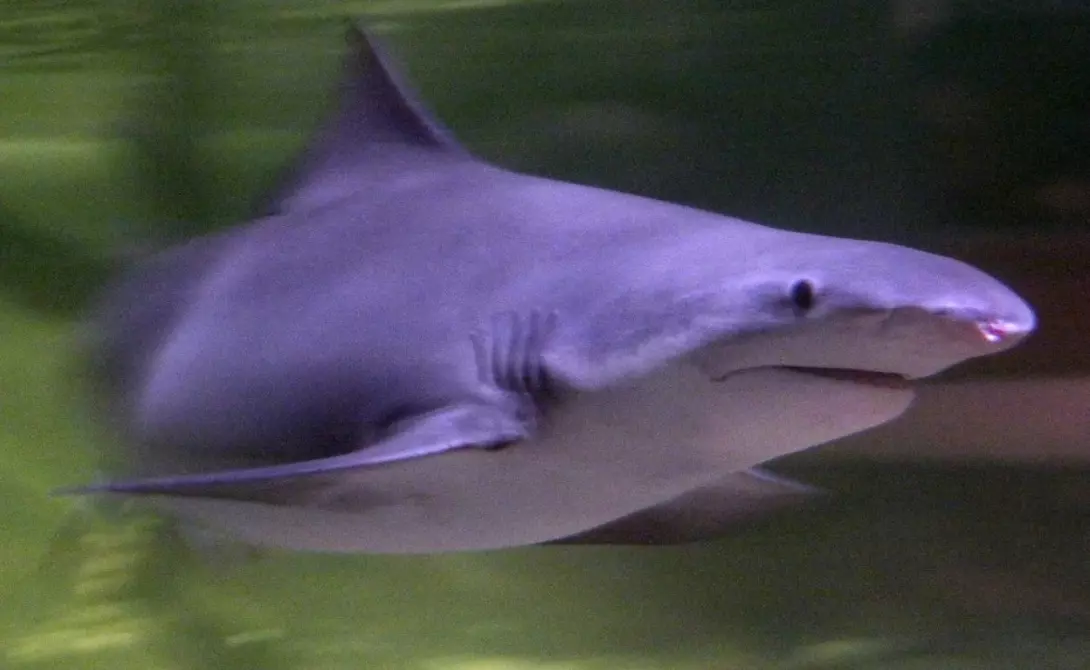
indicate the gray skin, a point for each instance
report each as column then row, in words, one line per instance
column 415, row 351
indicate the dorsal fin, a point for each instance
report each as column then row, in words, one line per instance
column 378, row 115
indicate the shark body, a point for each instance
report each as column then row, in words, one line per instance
column 413, row 350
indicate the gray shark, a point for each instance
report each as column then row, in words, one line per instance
column 412, row 350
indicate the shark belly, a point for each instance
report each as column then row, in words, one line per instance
column 598, row 457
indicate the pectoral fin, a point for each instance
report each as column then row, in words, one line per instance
column 444, row 430
column 706, row 513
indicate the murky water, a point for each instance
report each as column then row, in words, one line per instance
column 125, row 125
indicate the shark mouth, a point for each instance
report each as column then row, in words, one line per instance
column 889, row 380
column 868, row 377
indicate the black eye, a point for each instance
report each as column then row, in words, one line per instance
column 802, row 295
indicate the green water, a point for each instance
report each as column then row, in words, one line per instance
column 127, row 124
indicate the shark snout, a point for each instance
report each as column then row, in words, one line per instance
column 1002, row 333
column 993, row 328
column 927, row 342
column 998, row 314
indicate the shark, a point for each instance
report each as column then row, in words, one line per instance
column 410, row 349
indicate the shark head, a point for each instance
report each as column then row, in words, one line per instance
column 864, row 311
column 750, row 342
column 738, row 296
column 845, row 328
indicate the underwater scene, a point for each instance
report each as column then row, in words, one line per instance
column 954, row 534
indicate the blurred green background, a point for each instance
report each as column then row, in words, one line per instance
column 128, row 124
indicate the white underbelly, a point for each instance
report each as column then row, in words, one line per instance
column 599, row 457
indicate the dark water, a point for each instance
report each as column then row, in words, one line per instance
column 127, row 124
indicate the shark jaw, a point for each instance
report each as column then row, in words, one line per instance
column 877, row 348
column 842, row 375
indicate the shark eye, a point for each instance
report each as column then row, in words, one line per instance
column 802, row 295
